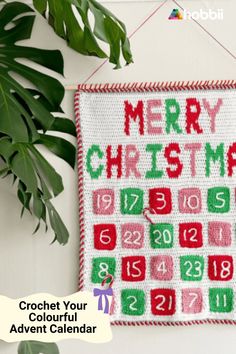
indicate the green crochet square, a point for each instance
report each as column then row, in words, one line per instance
column 191, row 267
column 221, row 299
column 218, row 200
column 133, row 302
column 161, row 235
column 131, row 201
column 101, row 267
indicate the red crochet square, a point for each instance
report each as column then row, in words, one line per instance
column 190, row 234
column 160, row 200
column 220, row 267
column 104, row 236
column 163, row 302
column 133, row 268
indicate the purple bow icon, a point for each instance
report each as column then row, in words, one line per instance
column 103, row 293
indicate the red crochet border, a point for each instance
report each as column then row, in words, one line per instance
column 135, row 87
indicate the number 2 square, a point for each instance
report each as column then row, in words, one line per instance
column 133, row 302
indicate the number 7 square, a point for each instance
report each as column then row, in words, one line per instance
column 192, row 300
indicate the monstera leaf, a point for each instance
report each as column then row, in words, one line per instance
column 63, row 17
column 28, row 114
column 34, row 347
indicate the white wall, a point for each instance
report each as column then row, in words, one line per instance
column 163, row 50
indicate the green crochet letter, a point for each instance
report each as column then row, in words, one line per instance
column 215, row 155
column 94, row 173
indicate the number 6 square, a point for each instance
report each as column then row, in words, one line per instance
column 104, row 236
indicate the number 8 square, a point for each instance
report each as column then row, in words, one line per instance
column 101, row 267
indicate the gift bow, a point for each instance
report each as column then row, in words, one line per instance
column 103, row 293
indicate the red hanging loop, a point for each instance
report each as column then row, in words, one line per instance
column 108, row 277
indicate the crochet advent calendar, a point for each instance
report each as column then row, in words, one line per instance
column 157, row 168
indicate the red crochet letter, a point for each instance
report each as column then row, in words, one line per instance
column 131, row 112
column 231, row 159
column 173, row 160
column 193, row 111
column 114, row 161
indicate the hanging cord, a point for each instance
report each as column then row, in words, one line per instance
column 207, row 32
column 74, row 87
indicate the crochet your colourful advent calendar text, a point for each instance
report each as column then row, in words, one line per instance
column 157, row 173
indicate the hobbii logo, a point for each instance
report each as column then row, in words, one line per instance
column 201, row 14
